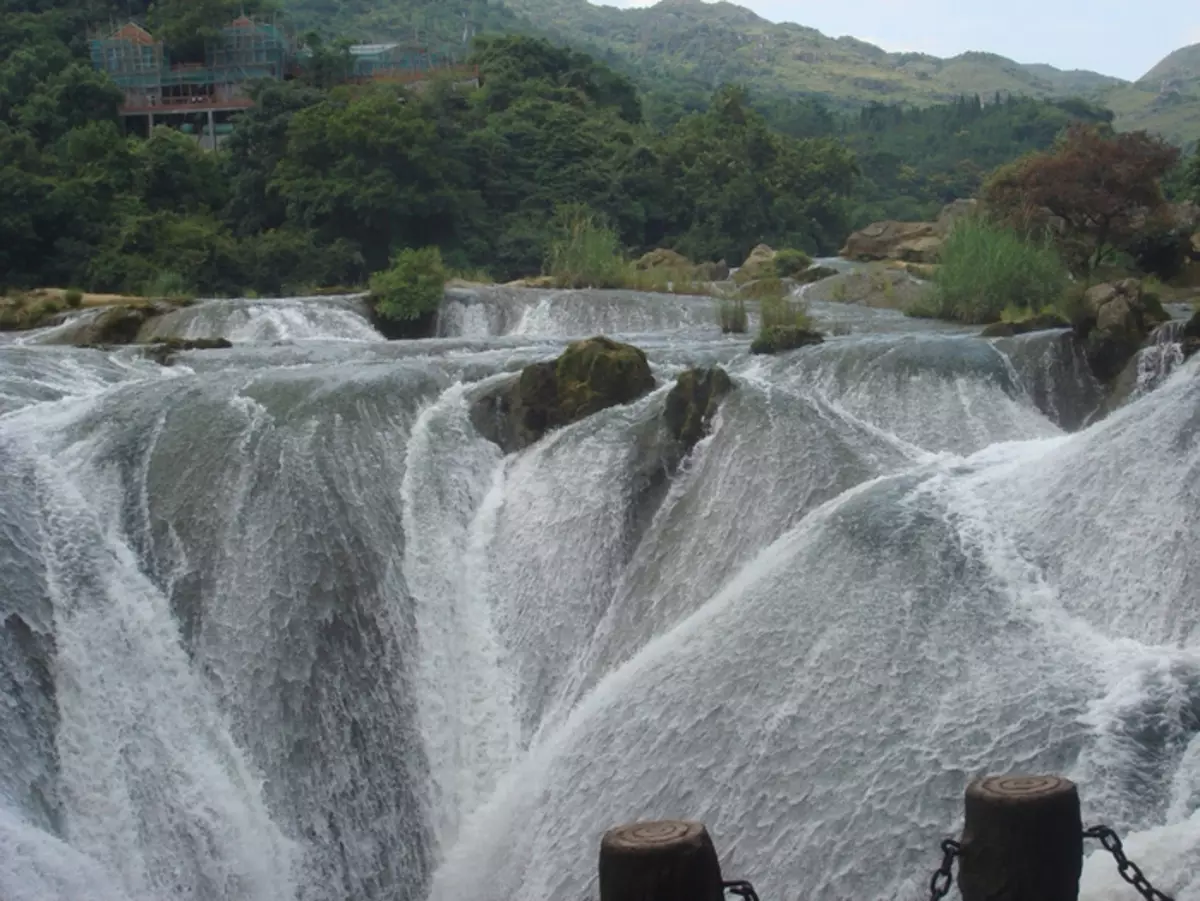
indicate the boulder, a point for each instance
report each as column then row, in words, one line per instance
column 116, row 325
column 662, row 258
column 953, row 212
column 590, row 376
column 1196, row 246
column 713, row 272
column 877, row 285
column 1119, row 317
column 780, row 338
column 760, row 264
column 693, row 402
column 914, row 242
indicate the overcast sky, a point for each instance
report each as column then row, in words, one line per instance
column 1117, row 37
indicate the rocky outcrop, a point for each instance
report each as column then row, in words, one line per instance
column 780, row 338
column 814, row 274
column 693, row 402
column 877, row 285
column 662, row 258
column 590, row 376
column 912, row 242
column 1040, row 322
column 1117, row 319
column 760, row 264
column 917, row 242
column 116, row 325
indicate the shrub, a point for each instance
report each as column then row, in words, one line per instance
column 791, row 263
column 986, row 268
column 783, row 312
column 732, row 316
column 412, row 287
column 585, row 252
column 73, row 298
column 167, row 284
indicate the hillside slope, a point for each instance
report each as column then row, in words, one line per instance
column 704, row 45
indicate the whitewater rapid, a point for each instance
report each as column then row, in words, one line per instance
column 278, row 624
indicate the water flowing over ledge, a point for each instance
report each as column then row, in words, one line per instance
column 277, row 623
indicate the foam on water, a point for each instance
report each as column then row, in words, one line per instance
column 279, row 624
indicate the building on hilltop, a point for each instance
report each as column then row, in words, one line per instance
column 202, row 98
column 199, row 98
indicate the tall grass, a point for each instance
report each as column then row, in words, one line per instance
column 783, row 312
column 168, row 284
column 986, row 268
column 732, row 316
column 585, row 252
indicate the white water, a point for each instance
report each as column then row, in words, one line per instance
column 278, row 624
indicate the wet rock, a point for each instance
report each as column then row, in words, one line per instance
column 590, row 376
column 1040, row 322
column 780, row 338
column 116, row 325
column 814, row 274
column 163, row 350
column 1191, row 336
column 693, row 402
column 1118, row 319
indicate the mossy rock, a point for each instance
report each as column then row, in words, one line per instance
column 693, row 402
column 590, row 376
column 116, row 325
column 663, row 258
column 760, row 264
column 1040, row 322
column 599, row 373
column 780, row 338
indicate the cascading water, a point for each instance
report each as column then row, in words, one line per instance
column 278, row 623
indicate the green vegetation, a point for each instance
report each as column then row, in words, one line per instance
column 677, row 51
column 791, row 263
column 412, row 287
column 988, row 270
column 73, row 298
column 585, row 252
column 732, row 316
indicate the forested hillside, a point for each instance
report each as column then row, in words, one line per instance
column 685, row 48
column 320, row 183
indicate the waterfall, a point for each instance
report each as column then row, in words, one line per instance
column 278, row 624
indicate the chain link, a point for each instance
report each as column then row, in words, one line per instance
column 943, row 877
column 743, row 889
column 1129, row 870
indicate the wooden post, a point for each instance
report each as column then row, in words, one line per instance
column 1022, row 840
column 661, row 861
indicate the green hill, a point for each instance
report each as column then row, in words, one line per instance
column 697, row 46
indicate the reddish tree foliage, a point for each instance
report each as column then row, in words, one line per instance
column 1101, row 188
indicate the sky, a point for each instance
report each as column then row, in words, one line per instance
column 1125, row 38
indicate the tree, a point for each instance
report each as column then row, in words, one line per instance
column 1192, row 177
column 1100, row 187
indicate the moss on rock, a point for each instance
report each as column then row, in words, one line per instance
column 693, row 402
column 588, row 377
column 780, row 338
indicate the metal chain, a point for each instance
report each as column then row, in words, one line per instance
column 743, row 889
column 943, row 878
column 1129, row 870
